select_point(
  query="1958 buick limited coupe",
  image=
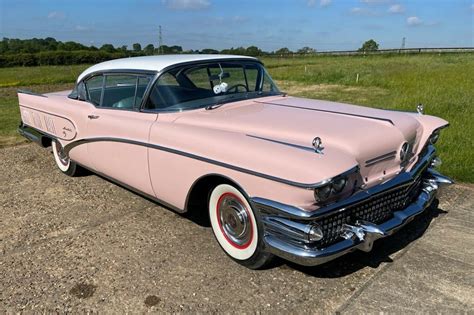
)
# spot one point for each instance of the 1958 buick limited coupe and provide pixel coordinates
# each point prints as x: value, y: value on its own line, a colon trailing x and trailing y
x: 305, y: 180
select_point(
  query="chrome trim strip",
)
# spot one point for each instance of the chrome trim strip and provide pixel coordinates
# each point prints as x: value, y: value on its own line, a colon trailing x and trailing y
x: 328, y: 111
x: 48, y: 113
x: 30, y: 93
x: 383, y: 157
x: 68, y: 147
x: 284, y: 143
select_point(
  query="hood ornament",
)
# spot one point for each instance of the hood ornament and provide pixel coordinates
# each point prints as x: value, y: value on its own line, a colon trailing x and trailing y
x: 420, y: 109
x: 318, y: 145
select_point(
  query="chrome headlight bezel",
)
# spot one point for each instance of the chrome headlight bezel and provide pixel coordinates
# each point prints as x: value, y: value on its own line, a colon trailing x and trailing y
x: 334, y: 187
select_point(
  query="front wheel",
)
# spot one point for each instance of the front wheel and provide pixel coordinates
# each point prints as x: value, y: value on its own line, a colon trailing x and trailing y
x: 235, y: 227
x: 64, y: 163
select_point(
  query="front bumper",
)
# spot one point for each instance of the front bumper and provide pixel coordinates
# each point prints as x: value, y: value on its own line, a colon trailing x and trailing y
x: 286, y: 227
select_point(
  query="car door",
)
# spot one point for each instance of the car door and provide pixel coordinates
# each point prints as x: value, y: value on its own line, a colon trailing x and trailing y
x: 118, y: 132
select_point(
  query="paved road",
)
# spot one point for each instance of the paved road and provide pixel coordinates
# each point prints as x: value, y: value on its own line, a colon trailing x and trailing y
x: 85, y: 244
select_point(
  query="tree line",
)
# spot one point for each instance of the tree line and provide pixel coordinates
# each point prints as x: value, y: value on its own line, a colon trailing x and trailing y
x: 49, y: 51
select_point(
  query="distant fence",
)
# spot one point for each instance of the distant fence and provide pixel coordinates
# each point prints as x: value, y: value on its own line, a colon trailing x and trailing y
x: 383, y: 51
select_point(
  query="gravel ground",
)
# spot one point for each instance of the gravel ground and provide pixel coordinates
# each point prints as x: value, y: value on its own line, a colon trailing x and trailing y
x: 85, y: 244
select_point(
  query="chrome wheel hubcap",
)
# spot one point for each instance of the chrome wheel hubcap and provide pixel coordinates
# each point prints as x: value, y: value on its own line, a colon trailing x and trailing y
x: 62, y: 158
x: 235, y: 221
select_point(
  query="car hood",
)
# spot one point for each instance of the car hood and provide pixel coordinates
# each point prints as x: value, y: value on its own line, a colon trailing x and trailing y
x: 372, y: 137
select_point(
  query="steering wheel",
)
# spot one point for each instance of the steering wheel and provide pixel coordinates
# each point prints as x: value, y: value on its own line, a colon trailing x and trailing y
x: 236, y: 88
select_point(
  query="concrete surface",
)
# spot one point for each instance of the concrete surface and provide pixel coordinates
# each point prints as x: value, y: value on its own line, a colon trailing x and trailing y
x: 84, y: 244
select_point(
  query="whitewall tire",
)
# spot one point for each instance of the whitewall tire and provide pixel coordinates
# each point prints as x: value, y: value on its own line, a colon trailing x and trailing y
x: 66, y: 166
x: 236, y: 227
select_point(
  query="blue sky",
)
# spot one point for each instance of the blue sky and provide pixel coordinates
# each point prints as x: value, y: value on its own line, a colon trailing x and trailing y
x: 197, y: 24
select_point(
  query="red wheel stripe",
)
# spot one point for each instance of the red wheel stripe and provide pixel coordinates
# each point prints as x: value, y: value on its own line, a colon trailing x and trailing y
x: 243, y: 246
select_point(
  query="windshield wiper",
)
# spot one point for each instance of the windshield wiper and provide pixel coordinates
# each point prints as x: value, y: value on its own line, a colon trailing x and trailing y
x: 214, y: 106
x: 228, y: 99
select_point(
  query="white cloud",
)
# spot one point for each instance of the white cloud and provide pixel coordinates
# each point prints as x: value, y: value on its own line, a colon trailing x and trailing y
x: 187, y: 4
x: 322, y: 3
x: 396, y: 9
x: 56, y: 15
x: 374, y: 1
x: 239, y: 18
x: 363, y: 11
x: 81, y: 28
x: 325, y: 3
x: 414, y: 21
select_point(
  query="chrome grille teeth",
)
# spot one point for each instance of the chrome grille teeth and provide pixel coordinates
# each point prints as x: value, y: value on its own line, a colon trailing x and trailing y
x: 377, y: 210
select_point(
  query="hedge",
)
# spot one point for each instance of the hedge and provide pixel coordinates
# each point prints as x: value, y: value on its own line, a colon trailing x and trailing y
x: 61, y: 58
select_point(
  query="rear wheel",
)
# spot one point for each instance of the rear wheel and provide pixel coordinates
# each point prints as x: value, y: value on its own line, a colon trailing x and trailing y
x: 65, y: 164
x: 236, y: 227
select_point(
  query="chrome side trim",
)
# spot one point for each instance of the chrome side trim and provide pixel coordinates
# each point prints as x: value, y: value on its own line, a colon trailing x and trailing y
x: 68, y: 147
x: 383, y: 157
x: 48, y: 113
x: 310, y: 149
x: 328, y: 111
x: 30, y: 93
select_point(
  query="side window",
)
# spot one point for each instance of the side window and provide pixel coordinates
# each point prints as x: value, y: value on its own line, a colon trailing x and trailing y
x: 94, y: 89
x: 162, y: 93
x: 124, y: 91
x: 199, y: 77
x: 252, y: 77
x: 268, y: 85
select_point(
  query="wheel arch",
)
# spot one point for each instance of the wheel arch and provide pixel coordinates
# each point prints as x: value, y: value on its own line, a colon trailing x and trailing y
x: 198, y: 194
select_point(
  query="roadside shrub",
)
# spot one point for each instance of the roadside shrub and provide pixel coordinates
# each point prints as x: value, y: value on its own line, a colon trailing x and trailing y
x: 50, y: 58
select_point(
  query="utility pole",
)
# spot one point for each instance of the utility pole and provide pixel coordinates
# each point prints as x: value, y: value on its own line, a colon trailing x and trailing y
x: 403, y: 43
x: 160, y: 41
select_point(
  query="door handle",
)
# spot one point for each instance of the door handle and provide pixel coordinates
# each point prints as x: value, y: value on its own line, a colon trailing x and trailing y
x: 93, y: 116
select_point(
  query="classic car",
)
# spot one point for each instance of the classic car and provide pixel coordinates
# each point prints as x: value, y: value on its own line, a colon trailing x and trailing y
x: 306, y: 180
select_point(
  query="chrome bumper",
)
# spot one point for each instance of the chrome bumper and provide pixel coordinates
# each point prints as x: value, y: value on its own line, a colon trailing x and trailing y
x: 286, y: 228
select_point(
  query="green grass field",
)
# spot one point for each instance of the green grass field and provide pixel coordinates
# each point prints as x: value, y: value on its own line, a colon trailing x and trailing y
x: 443, y: 83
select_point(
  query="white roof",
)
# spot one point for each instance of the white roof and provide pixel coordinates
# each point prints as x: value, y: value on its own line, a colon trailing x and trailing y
x: 152, y: 63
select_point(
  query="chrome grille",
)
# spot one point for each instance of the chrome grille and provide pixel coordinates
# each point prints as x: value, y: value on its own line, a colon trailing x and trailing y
x: 377, y: 209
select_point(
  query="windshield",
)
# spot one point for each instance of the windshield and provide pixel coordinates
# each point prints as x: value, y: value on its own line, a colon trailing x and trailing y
x: 210, y: 84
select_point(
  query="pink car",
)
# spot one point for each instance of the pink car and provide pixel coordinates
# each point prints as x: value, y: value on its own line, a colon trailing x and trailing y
x: 305, y: 180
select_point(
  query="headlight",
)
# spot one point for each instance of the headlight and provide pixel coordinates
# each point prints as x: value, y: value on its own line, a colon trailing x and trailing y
x: 339, y: 184
x: 336, y: 186
x: 434, y: 137
x: 322, y: 193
